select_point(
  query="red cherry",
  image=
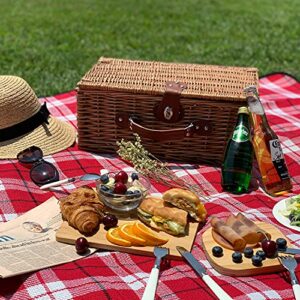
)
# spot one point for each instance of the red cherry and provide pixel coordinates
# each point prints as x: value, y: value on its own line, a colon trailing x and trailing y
x: 121, y: 177
x: 269, y: 247
x: 81, y: 245
x: 109, y: 221
x: 120, y: 188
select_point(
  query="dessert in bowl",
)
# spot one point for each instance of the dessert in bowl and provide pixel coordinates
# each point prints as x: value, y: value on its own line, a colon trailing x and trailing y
x: 121, y: 191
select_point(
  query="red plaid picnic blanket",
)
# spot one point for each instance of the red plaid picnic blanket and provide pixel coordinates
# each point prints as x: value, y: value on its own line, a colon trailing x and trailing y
x: 114, y: 275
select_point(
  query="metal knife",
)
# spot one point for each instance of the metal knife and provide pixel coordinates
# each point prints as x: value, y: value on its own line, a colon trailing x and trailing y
x: 290, y: 251
x: 199, y: 269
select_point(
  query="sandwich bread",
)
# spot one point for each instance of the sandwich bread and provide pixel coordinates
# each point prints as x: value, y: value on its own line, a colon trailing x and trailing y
x: 187, y: 201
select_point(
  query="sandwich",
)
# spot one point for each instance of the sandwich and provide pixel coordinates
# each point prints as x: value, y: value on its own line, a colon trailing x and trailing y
x: 157, y: 215
x: 187, y: 201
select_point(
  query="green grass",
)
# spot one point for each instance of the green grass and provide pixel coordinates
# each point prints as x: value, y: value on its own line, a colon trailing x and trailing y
x: 52, y: 43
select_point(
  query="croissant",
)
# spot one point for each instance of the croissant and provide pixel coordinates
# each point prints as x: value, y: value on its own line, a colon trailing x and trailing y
x: 82, y: 209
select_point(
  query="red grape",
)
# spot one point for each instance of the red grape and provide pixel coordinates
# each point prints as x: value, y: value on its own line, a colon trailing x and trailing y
x: 81, y: 245
x: 121, y: 177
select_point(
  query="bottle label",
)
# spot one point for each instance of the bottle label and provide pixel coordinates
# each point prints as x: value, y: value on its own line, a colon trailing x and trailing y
x: 240, y: 134
x: 278, y: 159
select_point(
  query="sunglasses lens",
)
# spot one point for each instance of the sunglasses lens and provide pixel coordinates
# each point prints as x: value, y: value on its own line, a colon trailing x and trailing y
x: 30, y: 155
x: 43, y: 172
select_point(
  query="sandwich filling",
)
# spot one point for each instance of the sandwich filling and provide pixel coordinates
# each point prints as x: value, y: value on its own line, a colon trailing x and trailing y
x: 169, y: 219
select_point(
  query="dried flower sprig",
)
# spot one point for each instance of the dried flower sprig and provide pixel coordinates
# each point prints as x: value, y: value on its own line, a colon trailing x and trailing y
x: 150, y: 166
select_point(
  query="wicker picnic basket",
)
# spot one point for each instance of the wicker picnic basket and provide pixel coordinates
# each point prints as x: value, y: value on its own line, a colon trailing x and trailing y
x: 182, y: 112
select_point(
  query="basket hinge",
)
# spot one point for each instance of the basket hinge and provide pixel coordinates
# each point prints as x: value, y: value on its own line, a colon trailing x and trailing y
x: 169, y: 109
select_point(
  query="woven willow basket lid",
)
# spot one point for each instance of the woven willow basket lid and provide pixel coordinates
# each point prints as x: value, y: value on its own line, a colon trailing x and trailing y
x: 150, y: 77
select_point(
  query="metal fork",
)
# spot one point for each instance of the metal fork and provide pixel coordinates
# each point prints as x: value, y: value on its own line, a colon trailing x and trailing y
x: 290, y: 264
x: 149, y: 292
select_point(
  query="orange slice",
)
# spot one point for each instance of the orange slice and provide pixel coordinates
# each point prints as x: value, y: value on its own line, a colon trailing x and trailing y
x: 152, y: 238
x: 127, y: 233
x: 113, y: 235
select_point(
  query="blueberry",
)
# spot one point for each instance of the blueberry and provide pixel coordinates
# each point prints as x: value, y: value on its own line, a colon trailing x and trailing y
x: 104, y: 178
x: 248, y: 252
x: 256, y: 260
x: 261, y: 253
x: 109, y: 193
x: 237, y: 257
x: 129, y: 194
x: 217, y: 251
x: 137, y: 193
x: 134, y: 176
x: 281, y: 243
x: 104, y: 188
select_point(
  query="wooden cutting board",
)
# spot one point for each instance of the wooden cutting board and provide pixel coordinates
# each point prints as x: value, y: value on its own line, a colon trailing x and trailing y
x: 69, y: 235
x: 226, y: 266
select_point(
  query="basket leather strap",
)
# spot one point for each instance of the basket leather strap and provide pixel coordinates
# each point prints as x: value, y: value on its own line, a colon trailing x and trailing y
x: 199, y: 127
x: 169, y: 109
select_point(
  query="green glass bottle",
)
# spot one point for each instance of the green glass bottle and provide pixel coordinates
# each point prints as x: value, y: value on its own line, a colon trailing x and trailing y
x: 238, y: 158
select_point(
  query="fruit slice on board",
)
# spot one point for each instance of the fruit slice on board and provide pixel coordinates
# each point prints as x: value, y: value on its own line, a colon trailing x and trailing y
x: 127, y: 233
x: 152, y: 238
x: 113, y: 235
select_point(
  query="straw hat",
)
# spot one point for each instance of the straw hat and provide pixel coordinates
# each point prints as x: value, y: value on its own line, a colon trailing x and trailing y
x: 24, y: 122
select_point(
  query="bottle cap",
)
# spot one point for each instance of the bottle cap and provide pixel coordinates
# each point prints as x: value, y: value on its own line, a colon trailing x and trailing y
x: 243, y: 110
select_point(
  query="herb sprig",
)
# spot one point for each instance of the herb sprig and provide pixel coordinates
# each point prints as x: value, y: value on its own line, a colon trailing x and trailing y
x: 147, y: 164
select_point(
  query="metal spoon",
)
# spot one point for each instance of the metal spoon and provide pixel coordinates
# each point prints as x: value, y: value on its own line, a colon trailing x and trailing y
x: 89, y: 176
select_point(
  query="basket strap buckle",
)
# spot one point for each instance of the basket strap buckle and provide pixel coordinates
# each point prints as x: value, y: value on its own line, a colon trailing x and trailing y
x: 169, y: 109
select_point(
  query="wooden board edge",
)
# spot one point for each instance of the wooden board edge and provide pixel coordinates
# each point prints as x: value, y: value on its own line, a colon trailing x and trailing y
x: 242, y: 272
x: 145, y: 251
x: 112, y: 247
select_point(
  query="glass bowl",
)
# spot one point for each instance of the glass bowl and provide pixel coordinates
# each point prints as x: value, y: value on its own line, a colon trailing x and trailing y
x: 136, y: 191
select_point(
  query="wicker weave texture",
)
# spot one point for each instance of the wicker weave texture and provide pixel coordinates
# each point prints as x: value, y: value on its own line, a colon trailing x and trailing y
x: 149, y: 77
x: 102, y: 94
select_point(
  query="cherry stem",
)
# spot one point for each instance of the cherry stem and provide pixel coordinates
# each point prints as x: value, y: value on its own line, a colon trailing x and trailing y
x: 264, y: 233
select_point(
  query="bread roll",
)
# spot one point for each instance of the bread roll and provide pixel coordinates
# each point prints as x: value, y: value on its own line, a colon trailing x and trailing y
x: 237, y: 242
x: 249, y: 235
x: 253, y: 227
x: 156, y: 214
x: 187, y: 201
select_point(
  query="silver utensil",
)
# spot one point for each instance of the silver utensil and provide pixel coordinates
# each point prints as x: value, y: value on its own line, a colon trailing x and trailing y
x: 89, y: 176
x: 199, y: 269
x: 290, y: 263
x: 149, y: 292
x: 290, y: 251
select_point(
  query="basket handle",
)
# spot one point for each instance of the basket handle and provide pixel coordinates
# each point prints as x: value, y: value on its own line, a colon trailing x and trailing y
x: 199, y: 127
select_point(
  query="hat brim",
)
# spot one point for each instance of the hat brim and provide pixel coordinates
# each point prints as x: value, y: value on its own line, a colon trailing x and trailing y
x: 51, y: 138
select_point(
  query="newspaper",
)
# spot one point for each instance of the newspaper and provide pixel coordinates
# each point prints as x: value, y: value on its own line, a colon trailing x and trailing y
x: 28, y: 243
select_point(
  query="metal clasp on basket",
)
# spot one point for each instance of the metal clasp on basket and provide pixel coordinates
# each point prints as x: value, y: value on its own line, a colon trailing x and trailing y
x: 169, y: 109
x: 168, y: 113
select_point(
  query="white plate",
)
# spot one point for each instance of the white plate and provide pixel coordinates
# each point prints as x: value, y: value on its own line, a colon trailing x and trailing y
x: 279, y: 206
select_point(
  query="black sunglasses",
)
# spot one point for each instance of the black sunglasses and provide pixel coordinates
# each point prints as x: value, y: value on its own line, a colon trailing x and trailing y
x: 41, y: 172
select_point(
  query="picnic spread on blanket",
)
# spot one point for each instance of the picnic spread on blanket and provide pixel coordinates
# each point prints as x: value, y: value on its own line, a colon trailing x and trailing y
x: 151, y: 180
